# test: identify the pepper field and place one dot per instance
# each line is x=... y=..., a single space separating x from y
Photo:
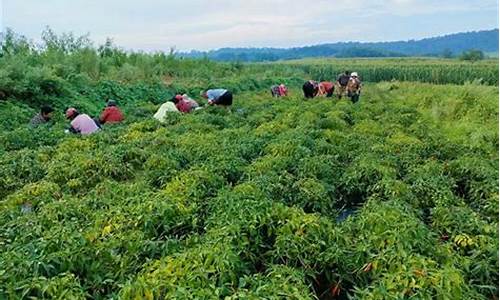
x=395 y=197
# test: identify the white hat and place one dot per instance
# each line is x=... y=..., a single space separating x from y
x=354 y=74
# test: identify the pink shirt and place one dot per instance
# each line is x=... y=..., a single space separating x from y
x=84 y=124
x=283 y=90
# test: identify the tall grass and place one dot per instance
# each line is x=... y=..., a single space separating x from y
x=30 y=71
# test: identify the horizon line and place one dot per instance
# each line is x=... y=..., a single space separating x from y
x=2 y=29
x=343 y=42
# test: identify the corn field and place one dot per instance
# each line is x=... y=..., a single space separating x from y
x=436 y=71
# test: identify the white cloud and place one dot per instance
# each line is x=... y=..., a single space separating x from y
x=156 y=24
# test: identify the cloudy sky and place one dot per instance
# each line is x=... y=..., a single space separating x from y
x=195 y=24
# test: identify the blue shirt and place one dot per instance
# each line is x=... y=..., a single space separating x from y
x=215 y=94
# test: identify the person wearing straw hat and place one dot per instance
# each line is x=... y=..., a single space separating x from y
x=354 y=87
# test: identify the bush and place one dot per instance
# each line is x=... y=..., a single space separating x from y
x=472 y=55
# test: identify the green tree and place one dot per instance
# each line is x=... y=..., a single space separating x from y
x=447 y=53
x=472 y=55
x=66 y=42
x=12 y=43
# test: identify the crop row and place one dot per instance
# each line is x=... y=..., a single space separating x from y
x=244 y=204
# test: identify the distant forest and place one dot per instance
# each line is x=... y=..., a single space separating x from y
x=444 y=46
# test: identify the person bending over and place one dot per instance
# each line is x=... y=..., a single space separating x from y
x=219 y=97
x=326 y=88
x=311 y=89
x=111 y=114
x=185 y=104
x=43 y=117
x=81 y=123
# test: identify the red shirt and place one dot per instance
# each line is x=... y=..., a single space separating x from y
x=184 y=106
x=111 y=114
x=327 y=86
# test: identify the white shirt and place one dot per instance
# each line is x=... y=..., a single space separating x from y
x=164 y=109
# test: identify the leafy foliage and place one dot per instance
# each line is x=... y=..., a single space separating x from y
x=393 y=197
x=472 y=55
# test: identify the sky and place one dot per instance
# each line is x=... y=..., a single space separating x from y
x=155 y=25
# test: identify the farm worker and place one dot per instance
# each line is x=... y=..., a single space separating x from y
x=342 y=82
x=326 y=88
x=354 y=87
x=184 y=103
x=279 y=91
x=165 y=108
x=81 y=123
x=44 y=116
x=283 y=90
x=111 y=114
x=220 y=97
x=311 y=89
